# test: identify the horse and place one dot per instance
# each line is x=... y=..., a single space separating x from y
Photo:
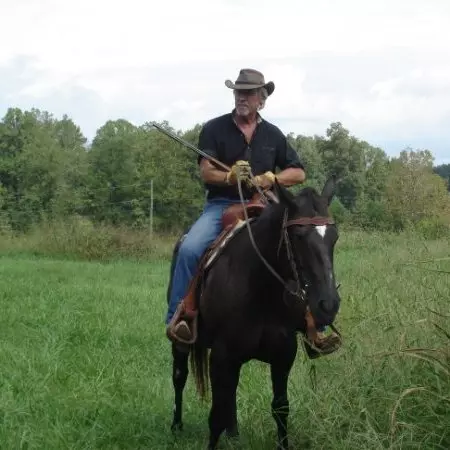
x=248 y=308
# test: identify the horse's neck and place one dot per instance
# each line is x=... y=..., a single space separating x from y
x=266 y=233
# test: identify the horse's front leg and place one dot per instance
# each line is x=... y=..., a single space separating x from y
x=180 y=371
x=279 y=370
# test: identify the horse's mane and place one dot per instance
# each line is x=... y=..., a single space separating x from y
x=307 y=200
x=267 y=228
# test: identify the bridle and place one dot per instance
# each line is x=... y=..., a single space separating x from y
x=316 y=220
x=300 y=291
x=301 y=221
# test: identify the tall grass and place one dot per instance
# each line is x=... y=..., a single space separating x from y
x=85 y=364
x=79 y=238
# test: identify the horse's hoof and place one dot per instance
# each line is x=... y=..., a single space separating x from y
x=176 y=426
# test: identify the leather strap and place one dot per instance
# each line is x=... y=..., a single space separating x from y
x=317 y=220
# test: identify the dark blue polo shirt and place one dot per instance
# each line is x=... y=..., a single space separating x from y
x=268 y=149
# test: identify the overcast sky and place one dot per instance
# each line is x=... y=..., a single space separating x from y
x=381 y=67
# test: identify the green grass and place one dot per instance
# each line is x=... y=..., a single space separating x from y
x=85 y=364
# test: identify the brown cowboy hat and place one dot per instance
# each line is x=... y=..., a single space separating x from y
x=250 y=79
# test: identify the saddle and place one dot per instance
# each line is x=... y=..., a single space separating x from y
x=233 y=220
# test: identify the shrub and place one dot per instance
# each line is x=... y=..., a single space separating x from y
x=78 y=237
x=433 y=228
x=338 y=211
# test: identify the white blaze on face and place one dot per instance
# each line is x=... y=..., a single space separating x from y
x=321 y=229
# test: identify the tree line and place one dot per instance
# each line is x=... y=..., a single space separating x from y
x=49 y=171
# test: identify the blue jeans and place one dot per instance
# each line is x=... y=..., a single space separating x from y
x=202 y=233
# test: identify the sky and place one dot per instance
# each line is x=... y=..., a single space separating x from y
x=381 y=68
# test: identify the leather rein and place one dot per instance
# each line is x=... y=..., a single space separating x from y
x=301 y=221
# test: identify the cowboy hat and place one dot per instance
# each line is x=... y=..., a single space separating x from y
x=250 y=79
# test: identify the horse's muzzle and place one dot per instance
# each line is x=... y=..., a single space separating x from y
x=325 y=309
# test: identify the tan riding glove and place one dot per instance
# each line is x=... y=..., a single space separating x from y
x=265 y=181
x=241 y=170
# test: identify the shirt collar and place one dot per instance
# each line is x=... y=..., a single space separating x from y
x=259 y=119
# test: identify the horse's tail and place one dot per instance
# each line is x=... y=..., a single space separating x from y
x=200 y=367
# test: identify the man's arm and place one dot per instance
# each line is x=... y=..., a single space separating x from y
x=292 y=171
x=291 y=176
x=211 y=175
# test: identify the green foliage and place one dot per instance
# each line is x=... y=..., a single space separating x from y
x=374 y=215
x=41 y=166
x=338 y=211
x=444 y=171
x=308 y=151
x=343 y=156
x=434 y=227
x=48 y=171
x=79 y=238
x=413 y=192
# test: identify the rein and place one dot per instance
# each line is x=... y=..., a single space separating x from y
x=302 y=221
x=317 y=220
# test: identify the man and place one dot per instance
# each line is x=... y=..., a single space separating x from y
x=242 y=135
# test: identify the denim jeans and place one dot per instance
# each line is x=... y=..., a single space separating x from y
x=202 y=233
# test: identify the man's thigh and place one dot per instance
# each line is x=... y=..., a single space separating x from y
x=204 y=230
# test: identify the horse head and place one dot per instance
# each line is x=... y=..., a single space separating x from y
x=312 y=235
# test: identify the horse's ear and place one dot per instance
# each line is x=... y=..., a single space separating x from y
x=285 y=196
x=329 y=190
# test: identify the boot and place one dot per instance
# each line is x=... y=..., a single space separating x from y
x=324 y=341
x=317 y=343
x=322 y=344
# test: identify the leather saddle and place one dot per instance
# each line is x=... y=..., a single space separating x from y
x=233 y=220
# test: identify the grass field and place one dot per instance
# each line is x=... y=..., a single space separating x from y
x=84 y=362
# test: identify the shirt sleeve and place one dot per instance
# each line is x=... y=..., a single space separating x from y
x=287 y=157
x=207 y=142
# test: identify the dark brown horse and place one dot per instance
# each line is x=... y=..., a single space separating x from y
x=253 y=304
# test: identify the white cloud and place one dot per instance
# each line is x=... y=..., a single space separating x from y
x=406 y=105
x=382 y=68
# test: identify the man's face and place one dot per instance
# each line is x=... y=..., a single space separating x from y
x=246 y=101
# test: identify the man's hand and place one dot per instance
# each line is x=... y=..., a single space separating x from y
x=241 y=170
x=265 y=181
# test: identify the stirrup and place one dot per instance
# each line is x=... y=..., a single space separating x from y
x=176 y=324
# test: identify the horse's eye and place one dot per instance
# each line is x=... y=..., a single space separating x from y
x=300 y=231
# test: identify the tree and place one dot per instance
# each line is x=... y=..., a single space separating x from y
x=413 y=191
x=114 y=193
x=309 y=154
x=343 y=156
x=47 y=171
x=34 y=164
x=444 y=171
